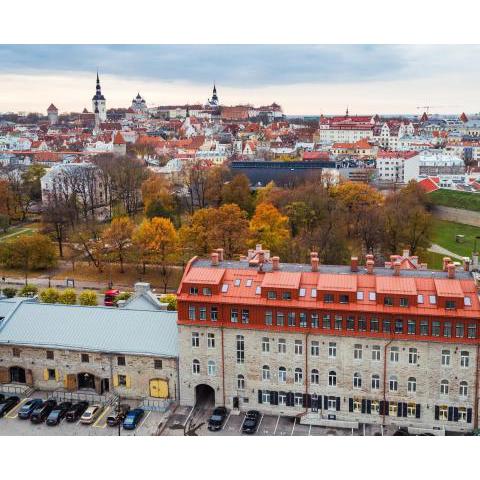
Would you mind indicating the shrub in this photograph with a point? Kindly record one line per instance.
(28, 290)
(88, 298)
(9, 292)
(123, 296)
(171, 299)
(49, 295)
(68, 297)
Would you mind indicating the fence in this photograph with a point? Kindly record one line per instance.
(90, 397)
(19, 390)
(156, 405)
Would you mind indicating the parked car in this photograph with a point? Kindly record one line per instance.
(91, 414)
(250, 424)
(40, 414)
(217, 419)
(117, 417)
(401, 432)
(2, 397)
(28, 407)
(7, 404)
(58, 413)
(76, 411)
(132, 418)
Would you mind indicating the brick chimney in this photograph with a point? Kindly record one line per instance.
(406, 253)
(370, 265)
(354, 264)
(214, 257)
(275, 263)
(451, 270)
(446, 261)
(315, 261)
(466, 264)
(396, 268)
(369, 256)
(313, 254)
(261, 256)
(220, 254)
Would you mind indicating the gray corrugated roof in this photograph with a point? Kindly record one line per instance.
(92, 329)
(7, 305)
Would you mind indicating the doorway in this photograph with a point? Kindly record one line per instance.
(158, 388)
(86, 381)
(17, 375)
(204, 396)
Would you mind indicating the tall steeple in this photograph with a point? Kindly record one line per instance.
(99, 101)
(213, 102)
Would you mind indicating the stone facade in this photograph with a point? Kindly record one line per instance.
(427, 370)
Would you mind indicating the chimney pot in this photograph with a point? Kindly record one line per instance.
(370, 265)
(354, 264)
(275, 263)
(466, 264)
(220, 254)
(261, 256)
(214, 257)
(406, 253)
(446, 261)
(315, 261)
(396, 268)
(451, 270)
(313, 254)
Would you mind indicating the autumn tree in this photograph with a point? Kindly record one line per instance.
(86, 241)
(117, 238)
(156, 190)
(238, 191)
(217, 176)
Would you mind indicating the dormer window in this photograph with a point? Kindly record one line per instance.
(403, 302)
(420, 299)
(207, 291)
(450, 305)
(388, 301)
(287, 295)
(225, 288)
(193, 291)
(372, 296)
(359, 295)
(314, 293)
(432, 299)
(248, 282)
(271, 295)
(328, 298)
(258, 290)
(343, 298)
(302, 292)
(237, 282)
(467, 301)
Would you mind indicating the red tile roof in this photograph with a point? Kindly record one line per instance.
(209, 276)
(282, 280)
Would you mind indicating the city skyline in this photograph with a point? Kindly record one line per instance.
(304, 79)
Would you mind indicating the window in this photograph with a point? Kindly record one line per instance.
(403, 302)
(376, 353)
(450, 304)
(332, 403)
(271, 295)
(362, 324)
(234, 315)
(302, 292)
(210, 340)
(193, 291)
(328, 298)
(282, 345)
(343, 298)
(258, 290)
(394, 354)
(303, 319)
(393, 383)
(375, 407)
(472, 330)
(435, 329)
(50, 355)
(286, 295)
(157, 364)
(237, 282)
(357, 351)
(447, 329)
(314, 320)
(412, 355)
(338, 322)
(291, 319)
(332, 350)
(372, 296)
(195, 339)
(398, 326)
(332, 378)
(196, 367)
(85, 358)
(265, 345)
(464, 359)
(411, 410)
(191, 312)
(375, 382)
(298, 376)
(444, 387)
(388, 301)
(225, 288)
(443, 412)
(268, 317)
(282, 374)
(265, 396)
(432, 299)
(298, 400)
(315, 377)
(420, 299)
(350, 323)
(462, 414)
(240, 349)
(315, 348)
(122, 380)
(266, 373)
(386, 325)
(240, 382)
(121, 361)
(282, 398)
(314, 293)
(359, 295)
(357, 380)
(51, 374)
(411, 327)
(207, 291)
(467, 301)
(374, 324)
(412, 384)
(203, 313)
(298, 347)
(326, 322)
(248, 282)
(459, 330)
(424, 327)
(445, 357)
(245, 315)
(393, 409)
(213, 314)
(211, 367)
(463, 389)
(280, 319)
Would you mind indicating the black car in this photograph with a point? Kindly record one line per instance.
(401, 432)
(2, 397)
(250, 424)
(7, 404)
(58, 413)
(40, 414)
(217, 419)
(117, 417)
(76, 411)
(28, 407)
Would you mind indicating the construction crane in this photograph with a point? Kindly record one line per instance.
(426, 108)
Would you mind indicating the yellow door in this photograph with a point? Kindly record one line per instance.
(158, 388)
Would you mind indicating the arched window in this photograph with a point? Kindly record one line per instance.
(412, 384)
(463, 389)
(240, 382)
(196, 367)
(357, 380)
(393, 383)
(266, 372)
(375, 382)
(282, 374)
(211, 367)
(315, 377)
(444, 387)
(332, 378)
(298, 376)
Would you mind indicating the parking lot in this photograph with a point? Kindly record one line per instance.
(10, 424)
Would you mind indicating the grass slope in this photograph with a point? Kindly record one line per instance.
(451, 198)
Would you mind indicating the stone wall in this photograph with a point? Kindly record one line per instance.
(457, 215)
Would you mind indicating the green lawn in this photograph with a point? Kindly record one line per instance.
(451, 198)
(444, 235)
(433, 260)
(15, 232)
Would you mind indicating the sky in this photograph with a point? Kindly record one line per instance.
(304, 79)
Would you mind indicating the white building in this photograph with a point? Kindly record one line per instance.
(434, 163)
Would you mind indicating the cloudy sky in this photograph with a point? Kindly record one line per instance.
(304, 79)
